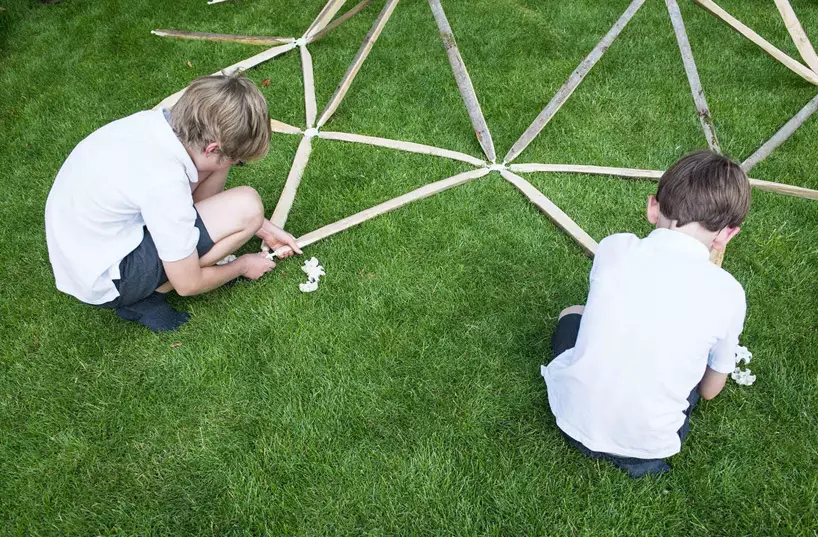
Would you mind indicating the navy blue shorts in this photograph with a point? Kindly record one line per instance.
(141, 272)
(564, 338)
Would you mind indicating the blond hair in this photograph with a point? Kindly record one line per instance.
(228, 109)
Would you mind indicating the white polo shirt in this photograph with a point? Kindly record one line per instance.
(131, 173)
(658, 312)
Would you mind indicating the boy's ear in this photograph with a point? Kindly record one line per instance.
(211, 148)
(724, 236)
(653, 210)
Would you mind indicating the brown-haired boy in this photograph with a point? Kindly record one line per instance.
(139, 207)
(660, 326)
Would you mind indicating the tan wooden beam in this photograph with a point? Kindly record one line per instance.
(285, 202)
(339, 21)
(224, 38)
(310, 106)
(411, 147)
(323, 18)
(782, 135)
(799, 36)
(283, 128)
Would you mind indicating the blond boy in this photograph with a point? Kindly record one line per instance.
(139, 207)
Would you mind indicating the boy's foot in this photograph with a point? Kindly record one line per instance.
(155, 313)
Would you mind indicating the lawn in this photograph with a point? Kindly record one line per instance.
(404, 397)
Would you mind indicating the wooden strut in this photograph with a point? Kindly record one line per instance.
(573, 81)
(655, 175)
(387, 206)
(765, 45)
(243, 65)
(283, 128)
(464, 83)
(411, 147)
(557, 215)
(310, 106)
(339, 21)
(702, 109)
(799, 37)
(224, 38)
(323, 18)
(363, 52)
(285, 202)
(782, 135)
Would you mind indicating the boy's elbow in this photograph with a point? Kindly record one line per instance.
(707, 395)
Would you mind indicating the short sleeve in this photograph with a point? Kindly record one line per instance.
(722, 357)
(168, 212)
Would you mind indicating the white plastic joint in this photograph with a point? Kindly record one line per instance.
(494, 167)
(301, 41)
(311, 133)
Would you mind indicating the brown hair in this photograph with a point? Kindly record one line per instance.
(228, 109)
(707, 188)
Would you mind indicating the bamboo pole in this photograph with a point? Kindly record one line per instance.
(339, 21)
(310, 106)
(562, 220)
(799, 36)
(357, 62)
(464, 83)
(782, 135)
(385, 207)
(323, 18)
(765, 45)
(573, 81)
(283, 128)
(224, 38)
(702, 109)
(402, 146)
(285, 202)
(243, 65)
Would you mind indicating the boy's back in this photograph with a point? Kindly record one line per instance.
(656, 309)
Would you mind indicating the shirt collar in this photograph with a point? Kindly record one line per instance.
(679, 242)
(179, 150)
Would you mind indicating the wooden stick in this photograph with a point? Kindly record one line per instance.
(323, 18)
(363, 52)
(310, 106)
(693, 76)
(224, 38)
(799, 36)
(738, 26)
(464, 83)
(339, 21)
(553, 212)
(654, 175)
(591, 170)
(283, 128)
(782, 135)
(573, 81)
(717, 256)
(243, 65)
(211, 2)
(285, 202)
(387, 206)
(402, 146)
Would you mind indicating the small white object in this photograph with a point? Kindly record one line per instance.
(314, 271)
(743, 355)
(301, 41)
(494, 167)
(229, 259)
(743, 377)
(271, 255)
(215, 2)
(311, 133)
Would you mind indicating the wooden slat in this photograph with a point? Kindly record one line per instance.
(702, 109)
(243, 65)
(573, 81)
(387, 206)
(323, 18)
(799, 36)
(401, 145)
(782, 135)
(765, 45)
(283, 128)
(557, 215)
(224, 38)
(787, 190)
(339, 21)
(357, 62)
(464, 83)
(310, 106)
(285, 202)
(591, 170)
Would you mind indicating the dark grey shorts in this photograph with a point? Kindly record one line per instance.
(141, 272)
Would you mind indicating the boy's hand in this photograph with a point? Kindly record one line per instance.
(256, 265)
(274, 237)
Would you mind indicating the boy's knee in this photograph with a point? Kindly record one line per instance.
(252, 208)
(570, 310)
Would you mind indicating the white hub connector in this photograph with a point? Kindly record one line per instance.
(311, 133)
(301, 41)
(494, 167)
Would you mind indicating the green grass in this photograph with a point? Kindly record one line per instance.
(404, 397)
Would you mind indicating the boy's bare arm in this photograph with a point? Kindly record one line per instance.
(188, 278)
(712, 383)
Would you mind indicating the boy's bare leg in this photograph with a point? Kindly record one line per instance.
(232, 218)
(572, 310)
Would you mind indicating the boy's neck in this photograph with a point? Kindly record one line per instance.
(693, 229)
